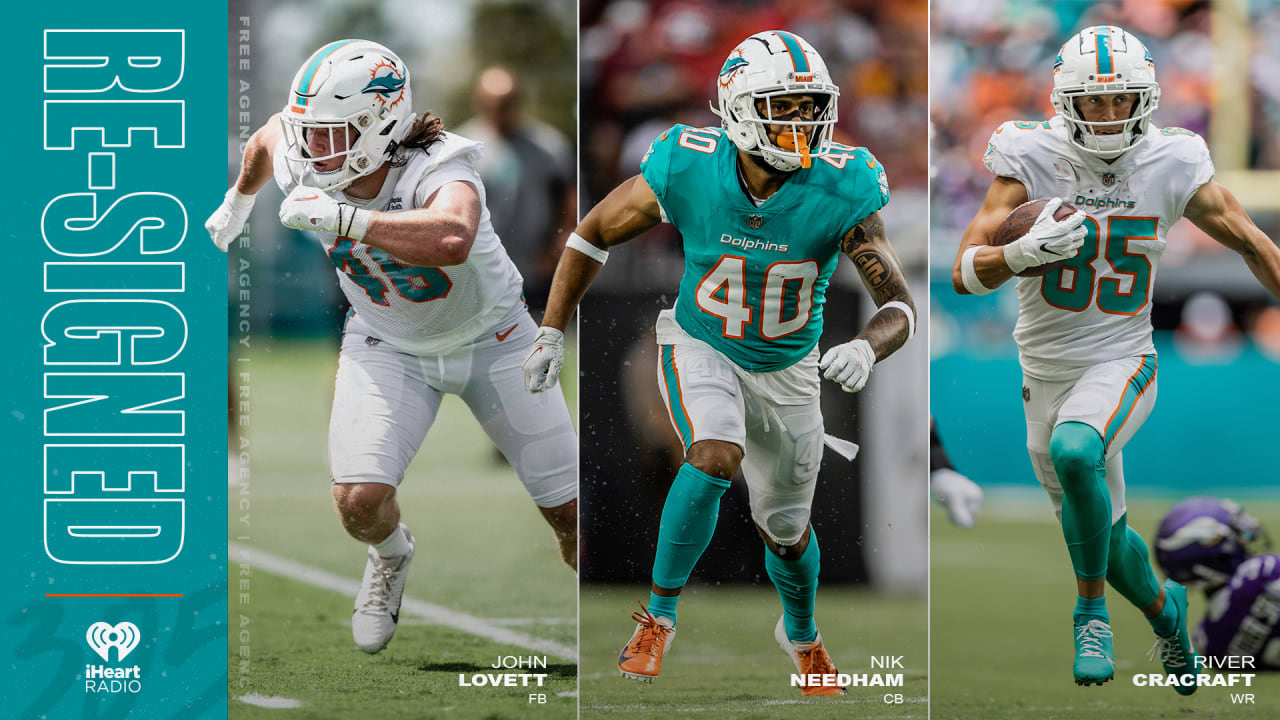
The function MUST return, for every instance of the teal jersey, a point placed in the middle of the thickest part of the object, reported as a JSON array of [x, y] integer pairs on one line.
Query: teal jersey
[[755, 278]]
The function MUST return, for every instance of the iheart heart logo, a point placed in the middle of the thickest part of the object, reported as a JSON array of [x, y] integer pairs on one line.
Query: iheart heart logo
[[102, 637]]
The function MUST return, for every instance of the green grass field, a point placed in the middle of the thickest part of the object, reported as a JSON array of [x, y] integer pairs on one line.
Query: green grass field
[[482, 549], [1002, 595], [724, 662]]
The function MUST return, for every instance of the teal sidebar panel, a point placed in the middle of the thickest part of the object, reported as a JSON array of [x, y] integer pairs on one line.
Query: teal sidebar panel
[[115, 407]]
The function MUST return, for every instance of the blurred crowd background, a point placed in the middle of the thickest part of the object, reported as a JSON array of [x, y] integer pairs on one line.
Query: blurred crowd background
[[646, 65], [499, 71], [1217, 330]]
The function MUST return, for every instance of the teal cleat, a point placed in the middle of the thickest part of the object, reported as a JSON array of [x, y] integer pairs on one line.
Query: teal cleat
[[1095, 659], [1176, 652]]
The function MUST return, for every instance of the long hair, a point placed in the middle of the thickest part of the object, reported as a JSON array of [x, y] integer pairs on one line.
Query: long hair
[[427, 129]]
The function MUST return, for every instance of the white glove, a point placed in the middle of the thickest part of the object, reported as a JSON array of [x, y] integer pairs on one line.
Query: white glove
[[307, 208], [849, 364], [542, 367], [1047, 241], [227, 222], [958, 494]]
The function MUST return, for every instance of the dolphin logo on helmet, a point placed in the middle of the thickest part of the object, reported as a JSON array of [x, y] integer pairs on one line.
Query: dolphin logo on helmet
[[731, 68], [386, 85]]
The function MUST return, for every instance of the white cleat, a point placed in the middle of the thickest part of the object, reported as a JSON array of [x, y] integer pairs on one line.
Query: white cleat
[[377, 611]]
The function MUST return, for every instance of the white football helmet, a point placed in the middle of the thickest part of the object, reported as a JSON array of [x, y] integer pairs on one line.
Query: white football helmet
[[356, 91], [1105, 60], [766, 65]]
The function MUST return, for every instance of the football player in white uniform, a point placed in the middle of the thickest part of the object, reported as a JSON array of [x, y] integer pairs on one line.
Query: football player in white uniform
[[435, 302], [1084, 328]]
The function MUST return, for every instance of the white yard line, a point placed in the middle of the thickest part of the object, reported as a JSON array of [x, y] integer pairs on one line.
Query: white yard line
[[501, 622], [440, 615], [534, 621], [272, 701]]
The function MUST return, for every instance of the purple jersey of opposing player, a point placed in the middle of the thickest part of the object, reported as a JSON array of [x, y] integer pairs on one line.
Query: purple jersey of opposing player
[[1244, 616]]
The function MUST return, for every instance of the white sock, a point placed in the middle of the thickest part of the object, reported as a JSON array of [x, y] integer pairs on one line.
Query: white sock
[[396, 544]]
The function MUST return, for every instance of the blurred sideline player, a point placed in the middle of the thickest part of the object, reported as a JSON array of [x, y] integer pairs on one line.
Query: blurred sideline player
[[764, 205], [1084, 329], [435, 302], [1211, 542], [958, 494], [528, 170]]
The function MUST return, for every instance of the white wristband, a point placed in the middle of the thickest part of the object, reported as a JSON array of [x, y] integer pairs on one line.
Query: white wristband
[[1013, 257], [906, 310], [353, 222], [239, 199], [970, 275], [577, 242]]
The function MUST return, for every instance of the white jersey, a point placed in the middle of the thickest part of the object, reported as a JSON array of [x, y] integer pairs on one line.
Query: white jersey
[[1097, 307], [424, 311]]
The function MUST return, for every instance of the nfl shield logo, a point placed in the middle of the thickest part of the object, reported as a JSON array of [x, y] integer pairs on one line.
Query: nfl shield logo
[[755, 221], [1108, 179]]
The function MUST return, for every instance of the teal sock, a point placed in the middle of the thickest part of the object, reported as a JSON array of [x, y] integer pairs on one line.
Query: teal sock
[[1091, 608], [663, 606], [1077, 453], [797, 584], [688, 522], [1129, 566], [1166, 623]]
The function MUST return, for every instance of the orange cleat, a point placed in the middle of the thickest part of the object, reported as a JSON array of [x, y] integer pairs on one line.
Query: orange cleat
[[641, 659], [809, 659]]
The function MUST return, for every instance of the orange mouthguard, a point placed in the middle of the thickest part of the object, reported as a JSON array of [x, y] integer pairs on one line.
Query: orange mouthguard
[[796, 141]]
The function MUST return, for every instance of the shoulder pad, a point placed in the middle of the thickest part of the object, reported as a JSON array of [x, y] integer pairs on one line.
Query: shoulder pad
[[1012, 142], [677, 149], [1185, 145]]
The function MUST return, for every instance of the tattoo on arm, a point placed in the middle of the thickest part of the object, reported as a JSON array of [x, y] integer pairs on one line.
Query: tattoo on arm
[[869, 249], [867, 231]]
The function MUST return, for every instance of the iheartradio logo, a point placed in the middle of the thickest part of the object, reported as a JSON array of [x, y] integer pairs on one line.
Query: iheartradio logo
[[102, 637]]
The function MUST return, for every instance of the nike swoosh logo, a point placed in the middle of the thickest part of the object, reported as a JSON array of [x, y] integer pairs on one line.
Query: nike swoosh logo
[[871, 164], [999, 130], [313, 197], [503, 335], [1044, 247]]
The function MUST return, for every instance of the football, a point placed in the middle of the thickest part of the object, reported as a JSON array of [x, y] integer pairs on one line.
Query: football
[[1020, 221]]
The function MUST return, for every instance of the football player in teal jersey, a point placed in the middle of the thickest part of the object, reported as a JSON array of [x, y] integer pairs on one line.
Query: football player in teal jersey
[[764, 205]]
